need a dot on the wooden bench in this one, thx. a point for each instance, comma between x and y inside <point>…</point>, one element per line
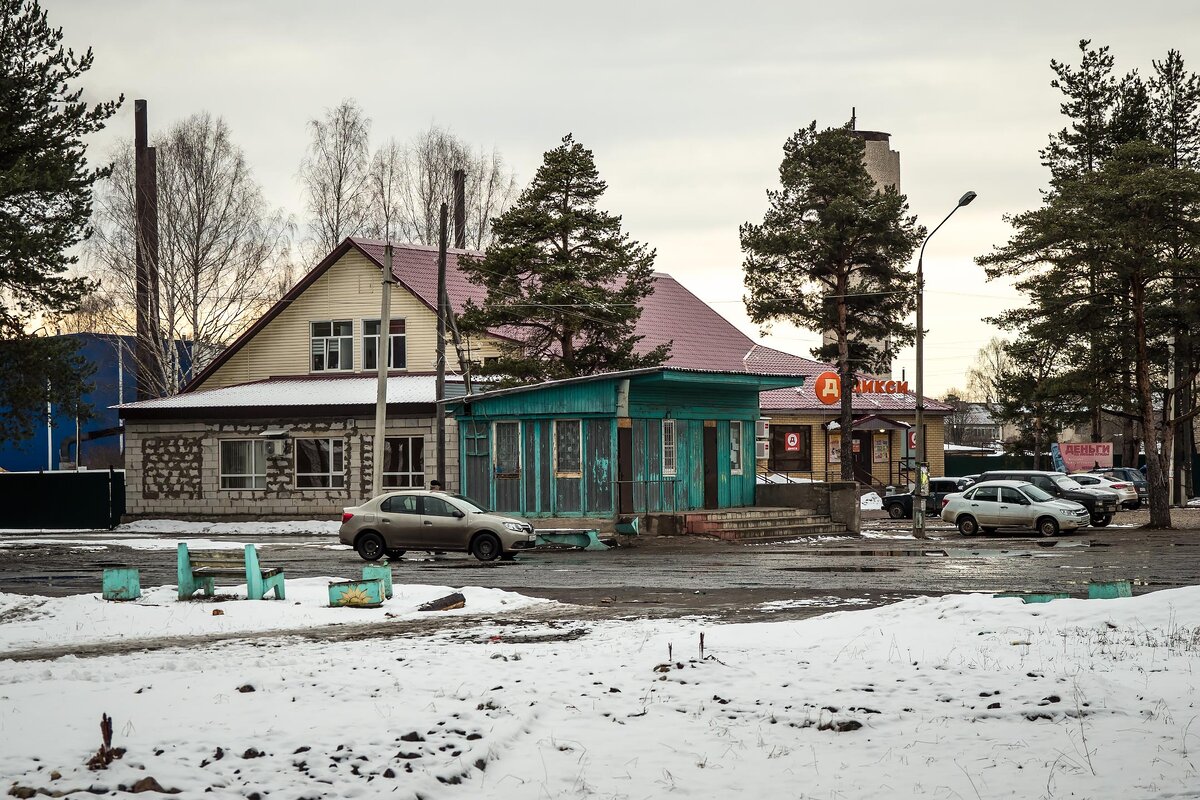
<point>199,571</point>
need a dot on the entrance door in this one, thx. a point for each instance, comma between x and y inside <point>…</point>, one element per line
<point>624,468</point>
<point>710,464</point>
<point>861,453</point>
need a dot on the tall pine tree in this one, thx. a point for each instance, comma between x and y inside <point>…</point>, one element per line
<point>45,202</point>
<point>831,255</point>
<point>562,278</point>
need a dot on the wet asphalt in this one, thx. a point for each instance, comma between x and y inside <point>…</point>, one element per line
<point>684,575</point>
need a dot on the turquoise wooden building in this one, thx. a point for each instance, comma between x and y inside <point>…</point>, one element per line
<point>642,441</point>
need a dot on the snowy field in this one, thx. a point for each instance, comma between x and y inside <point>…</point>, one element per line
<point>963,696</point>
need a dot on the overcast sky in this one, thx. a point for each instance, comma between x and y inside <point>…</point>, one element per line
<point>686,105</point>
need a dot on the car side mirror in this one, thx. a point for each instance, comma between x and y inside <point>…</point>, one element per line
<point>458,515</point>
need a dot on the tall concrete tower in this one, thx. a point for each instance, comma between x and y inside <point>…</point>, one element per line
<point>883,165</point>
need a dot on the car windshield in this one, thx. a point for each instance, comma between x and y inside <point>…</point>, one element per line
<point>471,505</point>
<point>1035,494</point>
<point>1066,483</point>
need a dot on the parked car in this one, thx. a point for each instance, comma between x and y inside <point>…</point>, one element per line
<point>900,506</point>
<point>1100,503</point>
<point>1134,476</point>
<point>1124,489</point>
<point>990,505</point>
<point>436,521</point>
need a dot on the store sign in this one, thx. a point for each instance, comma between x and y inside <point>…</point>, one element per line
<point>1082,456</point>
<point>791,442</point>
<point>828,387</point>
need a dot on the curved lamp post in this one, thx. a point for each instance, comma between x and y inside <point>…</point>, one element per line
<point>922,466</point>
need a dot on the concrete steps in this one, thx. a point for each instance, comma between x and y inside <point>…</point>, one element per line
<point>761,524</point>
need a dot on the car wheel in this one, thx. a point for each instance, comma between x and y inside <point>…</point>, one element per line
<point>395,553</point>
<point>370,546</point>
<point>967,526</point>
<point>486,547</point>
<point>1047,526</point>
<point>1101,521</point>
<point>895,511</point>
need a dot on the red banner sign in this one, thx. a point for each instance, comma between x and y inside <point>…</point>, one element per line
<point>1082,456</point>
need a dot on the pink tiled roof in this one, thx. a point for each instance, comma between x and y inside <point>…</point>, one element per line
<point>700,337</point>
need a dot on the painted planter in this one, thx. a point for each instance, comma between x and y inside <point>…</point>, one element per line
<point>383,573</point>
<point>1109,590</point>
<point>121,583</point>
<point>357,594</point>
<point>1035,597</point>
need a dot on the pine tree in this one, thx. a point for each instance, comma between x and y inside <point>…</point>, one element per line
<point>562,278</point>
<point>45,202</point>
<point>830,255</point>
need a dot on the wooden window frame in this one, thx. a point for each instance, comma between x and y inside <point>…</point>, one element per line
<point>496,448</point>
<point>569,473</point>
<point>673,470</point>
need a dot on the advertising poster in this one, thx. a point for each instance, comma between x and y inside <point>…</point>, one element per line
<point>880,454</point>
<point>835,448</point>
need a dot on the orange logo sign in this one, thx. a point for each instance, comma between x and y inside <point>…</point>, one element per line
<point>829,388</point>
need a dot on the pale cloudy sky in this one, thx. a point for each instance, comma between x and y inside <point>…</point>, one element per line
<point>685,104</point>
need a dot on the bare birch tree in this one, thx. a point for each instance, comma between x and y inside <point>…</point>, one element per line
<point>423,172</point>
<point>224,256</point>
<point>334,174</point>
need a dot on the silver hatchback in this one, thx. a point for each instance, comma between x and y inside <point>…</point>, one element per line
<point>436,521</point>
<point>1011,504</point>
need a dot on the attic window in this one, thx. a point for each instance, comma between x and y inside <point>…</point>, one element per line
<point>332,345</point>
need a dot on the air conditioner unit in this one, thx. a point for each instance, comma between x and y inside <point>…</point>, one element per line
<point>762,449</point>
<point>762,428</point>
<point>273,447</point>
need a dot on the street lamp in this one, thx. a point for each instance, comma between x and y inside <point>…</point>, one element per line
<point>922,465</point>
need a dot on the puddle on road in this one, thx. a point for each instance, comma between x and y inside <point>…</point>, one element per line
<point>883,553</point>
<point>842,568</point>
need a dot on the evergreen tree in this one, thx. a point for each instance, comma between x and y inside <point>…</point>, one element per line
<point>562,278</point>
<point>45,202</point>
<point>830,255</point>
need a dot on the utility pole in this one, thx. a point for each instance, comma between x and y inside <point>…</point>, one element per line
<point>383,358</point>
<point>146,256</point>
<point>442,311</point>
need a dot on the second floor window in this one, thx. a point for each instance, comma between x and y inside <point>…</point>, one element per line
<point>397,356</point>
<point>332,345</point>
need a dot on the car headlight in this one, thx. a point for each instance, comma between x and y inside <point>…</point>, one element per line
<point>519,527</point>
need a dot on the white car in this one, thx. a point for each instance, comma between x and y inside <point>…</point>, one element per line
<point>1124,489</point>
<point>991,505</point>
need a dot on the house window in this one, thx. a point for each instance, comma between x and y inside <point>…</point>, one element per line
<point>403,461</point>
<point>332,345</point>
<point>243,464</point>
<point>735,447</point>
<point>566,447</point>
<point>397,355</point>
<point>668,447</point>
<point>791,448</point>
<point>508,448</point>
<point>320,463</point>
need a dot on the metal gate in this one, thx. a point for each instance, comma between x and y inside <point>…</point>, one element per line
<point>62,499</point>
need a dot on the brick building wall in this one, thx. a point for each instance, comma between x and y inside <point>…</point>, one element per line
<point>175,467</point>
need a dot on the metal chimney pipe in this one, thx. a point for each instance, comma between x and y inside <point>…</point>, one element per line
<point>460,209</point>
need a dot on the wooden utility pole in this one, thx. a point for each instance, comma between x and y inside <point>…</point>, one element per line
<point>442,310</point>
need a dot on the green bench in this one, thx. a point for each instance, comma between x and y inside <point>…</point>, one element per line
<point>199,571</point>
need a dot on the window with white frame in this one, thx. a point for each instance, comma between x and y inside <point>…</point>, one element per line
<point>320,463</point>
<point>332,345</point>
<point>243,464</point>
<point>403,461</point>
<point>567,436</point>
<point>507,453</point>
<point>668,447</point>
<point>397,355</point>
<point>735,447</point>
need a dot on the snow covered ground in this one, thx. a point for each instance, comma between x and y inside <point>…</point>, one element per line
<point>181,527</point>
<point>964,696</point>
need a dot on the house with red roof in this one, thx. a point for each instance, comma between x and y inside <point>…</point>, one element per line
<point>281,423</point>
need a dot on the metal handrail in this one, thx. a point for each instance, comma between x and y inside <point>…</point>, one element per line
<point>616,484</point>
